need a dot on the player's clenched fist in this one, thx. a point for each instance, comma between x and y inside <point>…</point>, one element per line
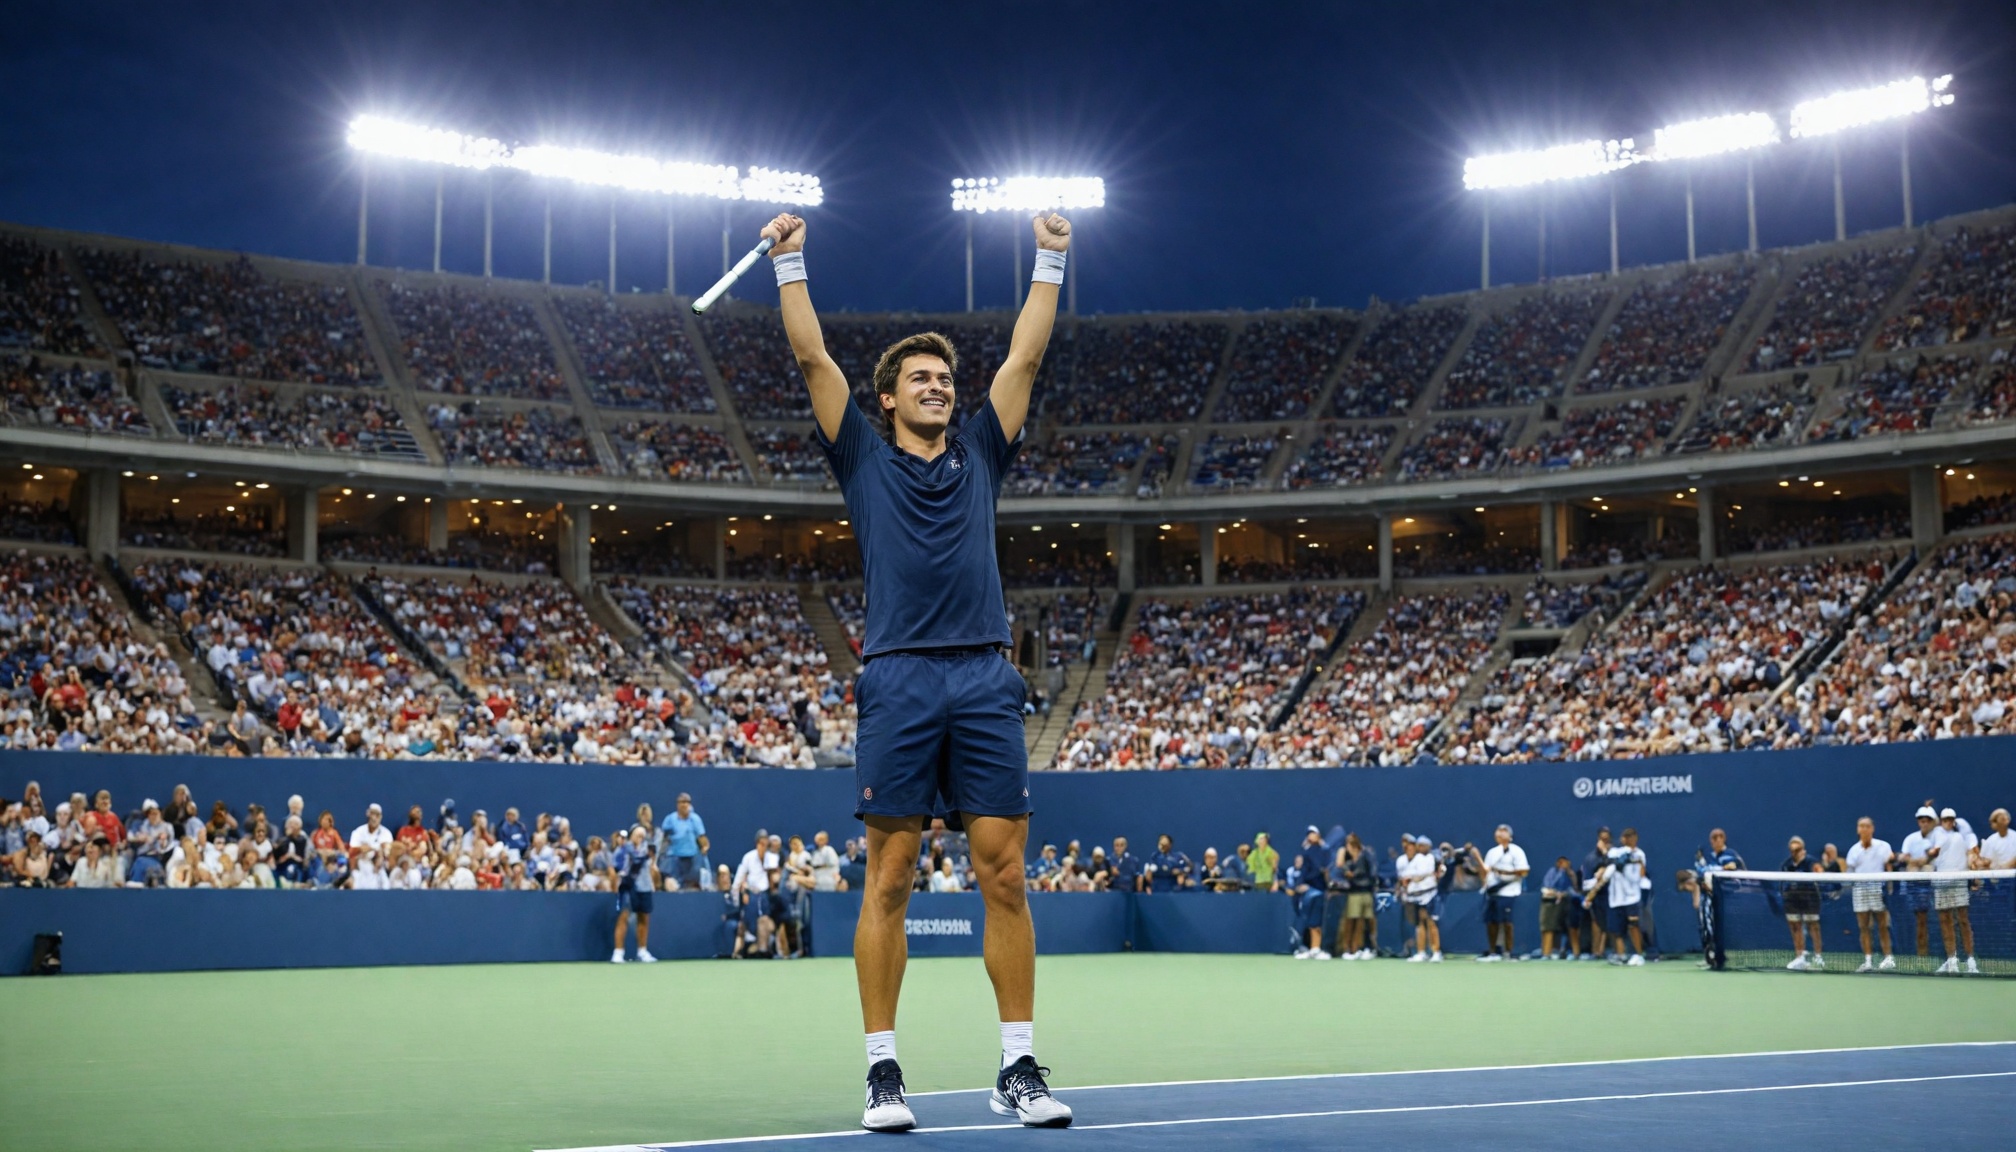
<point>1053,232</point>
<point>789,233</point>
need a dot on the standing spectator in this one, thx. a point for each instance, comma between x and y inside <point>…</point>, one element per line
<point>1802,908</point>
<point>1620,882</point>
<point>1307,879</point>
<point>685,844</point>
<point>1560,889</point>
<point>1719,857</point>
<point>1126,867</point>
<point>825,865</point>
<point>1596,895</point>
<point>853,865</point>
<point>1870,856</point>
<point>1263,863</point>
<point>1916,854</point>
<point>1505,871</point>
<point>1360,928</point>
<point>752,891</point>
<point>1955,847</point>
<point>513,835</point>
<point>1168,869</point>
<point>370,834</point>
<point>636,880</point>
<point>946,879</point>
<point>1998,848</point>
<point>1417,874</point>
<point>290,855</point>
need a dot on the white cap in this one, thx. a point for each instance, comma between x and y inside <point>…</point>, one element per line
<point>1926,813</point>
<point>1948,814</point>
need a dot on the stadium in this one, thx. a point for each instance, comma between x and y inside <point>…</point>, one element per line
<point>1379,672</point>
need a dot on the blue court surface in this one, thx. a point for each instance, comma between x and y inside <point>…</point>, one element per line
<point>1951,1095</point>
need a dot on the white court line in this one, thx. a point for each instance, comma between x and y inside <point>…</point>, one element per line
<point>1480,1068</point>
<point>1398,1110</point>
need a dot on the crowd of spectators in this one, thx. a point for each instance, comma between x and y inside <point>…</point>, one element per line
<point>488,551</point>
<point>253,414</point>
<point>1300,564</point>
<point>1342,454</point>
<point>767,690</point>
<point>1232,462</point>
<point>850,607</point>
<point>1062,569</point>
<point>1136,372</point>
<point>667,450</point>
<point>1396,360</point>
<point>1931,662</point>
<point>643,556</point>
<point>1666,329</point>
<point>1551,604</point>
<point>634,358</point>
<point>75,676</point>
<point>75,398</point>
<point>1199,681</point>
<point>790,457</point>
<point>830,564</point>
<point>1071,622</point>
<point>1689,671</point>
<point>1386,692</point>
<point>1768,417</point>
<point>1823,313</point>
<point>40,306</point>
<point>228,319</point>
<point>1158,464</point>
<point>1611,552</point>
<point>239,532</point>
<point>1967,293</point>
<point>756,363</point>
<point>474,343</point>
<point>1075,464</point>
<point>1835,526</point>
<point>1998,508</point>
<point>1995,396</point>
<point>1279,365</point>
<point>1454,445</point>
<point>1522,355</point>
<point>1464,554</point>
<point>42,523</point>
<point>542,438</point>
<point>306,668</point>
<point>1904,395</point>
<point>1607,434</point>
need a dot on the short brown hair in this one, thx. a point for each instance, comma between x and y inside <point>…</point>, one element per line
<point>890,366</point>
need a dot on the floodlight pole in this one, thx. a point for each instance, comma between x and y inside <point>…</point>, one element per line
<point>1904,163</point>
<point>489,218</point>
<point>1543,234</point>
<point>1690,213</point>
<point>1750,196</point>
<point>1486,276</point>
<point>546,247</point>
<point>969,262</point>
<point>440,188</point>
<point>1840,204</point>
<point>724,238</point>
<point>1613,225</point>
<point>363,207</point>
<point>671,279</point>
<point>612,243</point>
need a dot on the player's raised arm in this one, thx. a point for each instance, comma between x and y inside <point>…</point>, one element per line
<point>1010,394</point>
<point>823,378</point>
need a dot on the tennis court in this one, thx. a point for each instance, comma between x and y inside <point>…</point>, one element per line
<point>518,1057</point>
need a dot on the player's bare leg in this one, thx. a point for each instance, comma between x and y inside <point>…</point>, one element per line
<point>881,952</point>
<point>998,844</point>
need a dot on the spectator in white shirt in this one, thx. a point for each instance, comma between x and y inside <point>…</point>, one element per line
<point>1998,848</point>
<point>1870,856</point>
<point>1504,869</point>
<point>1951,897</point>
<point>370,834</point>
<point>1620,878</point>
<point>825,865</point>
<point>752,892</point>
<point>1916,854</point>
<point>1416,874</point>
<point>946,879</point>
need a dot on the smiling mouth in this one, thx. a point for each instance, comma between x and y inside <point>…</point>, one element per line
<point>933,402</point>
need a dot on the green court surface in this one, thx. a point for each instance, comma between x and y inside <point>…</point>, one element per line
<point>542,1056</point>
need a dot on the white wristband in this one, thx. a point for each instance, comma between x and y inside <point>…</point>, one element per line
<point>790,267</point>
<point>1049,267</point>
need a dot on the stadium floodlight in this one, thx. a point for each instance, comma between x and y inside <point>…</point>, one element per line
<point>1575,161</point>
<point>1895,100</point>
<point>1028,193</point>
<point>1714,136</point>
<point>387,137</point>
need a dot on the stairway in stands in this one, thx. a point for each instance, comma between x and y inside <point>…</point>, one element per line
<point>202,686</point>
<point>1045,734</point>
<point>826,625</point>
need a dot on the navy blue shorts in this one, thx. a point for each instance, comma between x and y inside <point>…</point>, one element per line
<point>757,907</point>
<point>1498,909</point>
<point>938,735</point>
<point>636,900</point>
<point>1623,917</point>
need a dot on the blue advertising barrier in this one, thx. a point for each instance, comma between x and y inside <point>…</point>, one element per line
<point>1212,922</point>
<point>954,923</point>
<point>123,930</point>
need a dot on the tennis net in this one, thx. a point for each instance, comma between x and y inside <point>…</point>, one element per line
<point>1926,923</point>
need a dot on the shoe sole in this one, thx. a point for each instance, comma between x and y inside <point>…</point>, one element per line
<point>904,1126</point>
<point>1001,1107</point>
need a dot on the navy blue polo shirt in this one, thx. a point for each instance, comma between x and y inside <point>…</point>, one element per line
<point>1167,866</point>
<point>926,531</point>
<point>1126,870</point>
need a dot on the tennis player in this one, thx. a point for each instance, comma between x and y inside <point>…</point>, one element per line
<point>940,705</point>
<point>1870,856</point>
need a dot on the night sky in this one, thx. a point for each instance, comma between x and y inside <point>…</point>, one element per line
<point>1255,154</point>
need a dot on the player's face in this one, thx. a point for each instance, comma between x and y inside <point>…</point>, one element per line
<point>924,394</point>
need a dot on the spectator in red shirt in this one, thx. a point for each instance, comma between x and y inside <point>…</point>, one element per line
<point>326,839</point>
<point>103,819</point>
<point>288,716</point>
<point>415,829</point>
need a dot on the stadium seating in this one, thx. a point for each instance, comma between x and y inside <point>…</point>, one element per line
<point>254,415</point>
<point>1967,293</point>
<point>1456,445</point>
<point>1665,330</point>
<point>1523,355</point>
<point>537,437</point>
<point>1994,397</point>
<point>239,533</point>
<point>634,358</point>
<point>1340,455</point>
<point>667,450</point>
<point>1134,372</point>
<point>489,551</point>
<point>42,523</point>
<point>757,366</point>
<point>1827,309</point>
<point>1901,396</point>
<point>1395,361</point>
<point>1074,464</point>
<point>790,457</point>
<point>468,343</point>
<point>1768,417</point>
<point>229,319</point>
<point>1809,531</point>
<point>1610,434</point>
<point>39,303</point>
<point>36,394</point>
<point>1279,365</point>
<point>1232,462</point>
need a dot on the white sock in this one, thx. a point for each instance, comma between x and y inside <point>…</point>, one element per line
<point>1017,1041</point>
<point>881,1046</point>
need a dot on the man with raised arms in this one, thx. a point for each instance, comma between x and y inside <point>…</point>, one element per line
<point>940,705</point>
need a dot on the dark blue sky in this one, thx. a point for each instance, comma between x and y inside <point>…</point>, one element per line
<point>1255,153</point>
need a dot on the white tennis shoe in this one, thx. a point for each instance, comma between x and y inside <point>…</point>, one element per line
<point>1021,1091</point>
<point>887,1111</point>
<point>1889,964</point>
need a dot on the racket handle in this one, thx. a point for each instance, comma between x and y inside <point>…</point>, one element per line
<point>727,281</point>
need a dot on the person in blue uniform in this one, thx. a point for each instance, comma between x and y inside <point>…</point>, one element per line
<point>940,719</point>
<point>637,878</point>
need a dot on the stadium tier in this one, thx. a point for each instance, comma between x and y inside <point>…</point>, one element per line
<point>446,517</point>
